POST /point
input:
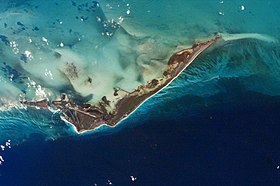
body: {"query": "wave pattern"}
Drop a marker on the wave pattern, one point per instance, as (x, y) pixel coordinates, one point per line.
(19, 124)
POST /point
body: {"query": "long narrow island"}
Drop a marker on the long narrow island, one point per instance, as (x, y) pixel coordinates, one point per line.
(86, 117)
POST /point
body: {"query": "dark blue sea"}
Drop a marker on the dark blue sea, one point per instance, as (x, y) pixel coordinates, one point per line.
(218, 123)
(233, 142)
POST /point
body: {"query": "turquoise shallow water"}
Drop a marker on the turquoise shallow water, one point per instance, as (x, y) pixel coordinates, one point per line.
(219, 117)
(135, 39)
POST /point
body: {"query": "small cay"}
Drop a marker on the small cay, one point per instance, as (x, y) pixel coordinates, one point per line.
(87, 117)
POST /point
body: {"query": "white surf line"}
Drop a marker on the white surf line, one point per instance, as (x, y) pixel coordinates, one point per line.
(175, 77)
(86, 131)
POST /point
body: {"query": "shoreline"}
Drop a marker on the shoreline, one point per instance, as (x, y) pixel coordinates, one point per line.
(173, 79)
(87, 118)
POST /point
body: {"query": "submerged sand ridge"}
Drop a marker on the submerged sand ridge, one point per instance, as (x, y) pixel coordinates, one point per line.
(86, 117)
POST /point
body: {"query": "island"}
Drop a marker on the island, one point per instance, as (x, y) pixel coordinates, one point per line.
(86, 117)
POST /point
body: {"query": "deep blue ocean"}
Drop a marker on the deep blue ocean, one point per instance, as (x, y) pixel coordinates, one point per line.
(234, 143)
(218, 123)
